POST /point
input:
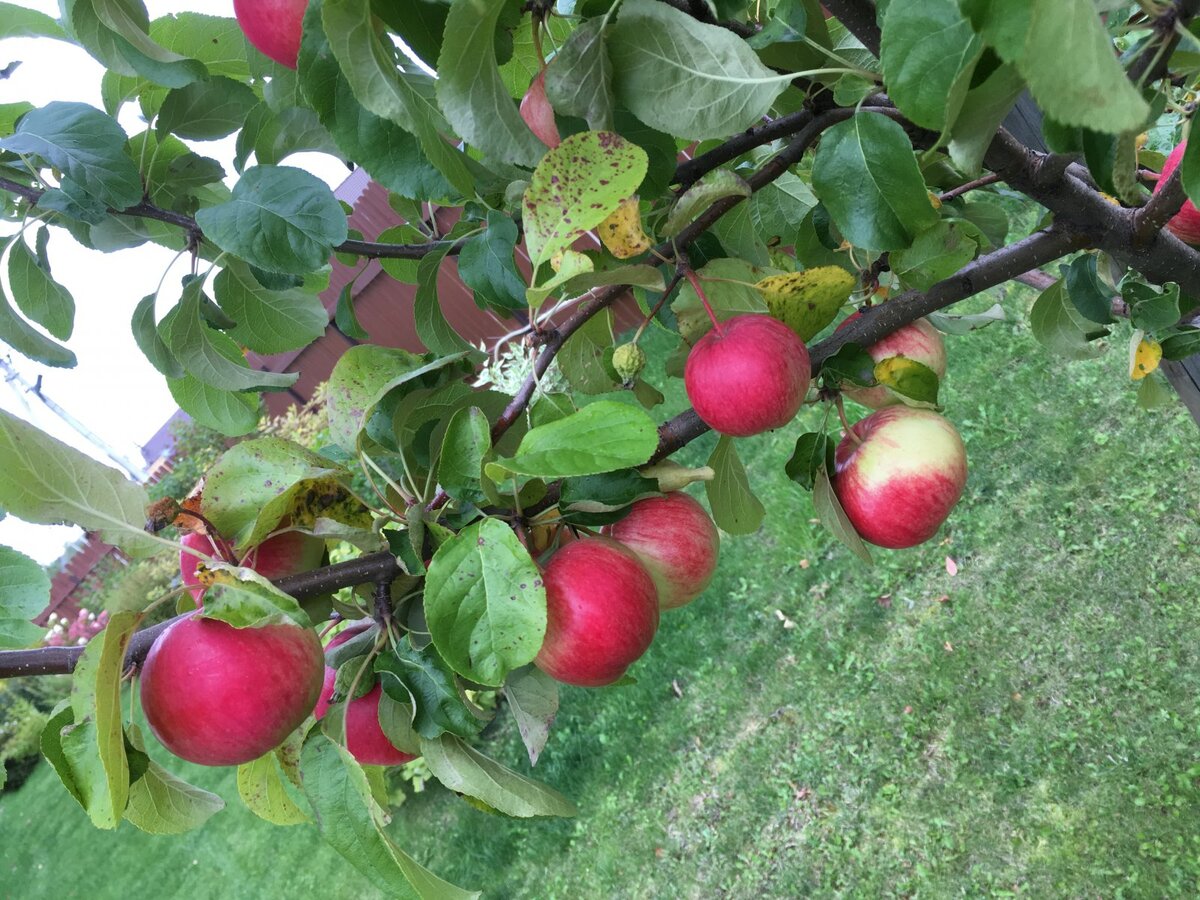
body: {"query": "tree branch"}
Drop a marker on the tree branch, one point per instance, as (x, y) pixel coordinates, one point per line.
(61, 660)
(1167, 200)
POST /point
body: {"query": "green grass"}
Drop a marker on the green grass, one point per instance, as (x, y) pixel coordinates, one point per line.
(1028, 727)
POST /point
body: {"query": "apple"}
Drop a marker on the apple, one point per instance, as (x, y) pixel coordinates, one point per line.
(538, 113)
(601, 612)
(747, 375)
(1185, 224)
(287, 553)
(898, 473)
(918, 341)
(364, 737)
(676, 541)
(274, 27)
(221, 696)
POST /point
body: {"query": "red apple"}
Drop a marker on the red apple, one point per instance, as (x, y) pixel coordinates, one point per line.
(538, 113)
(676, 541)
(221, 696)
(748, 375)
(273, 27)
(214, 547)
(918, 341)
(902, 477)
(287, 553)
(601, 612)
(364, 738)
(1186, 223)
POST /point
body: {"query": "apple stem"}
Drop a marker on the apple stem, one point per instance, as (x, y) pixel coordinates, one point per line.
(383, 602)
(670, 286)
(846, 429)
(694, 281)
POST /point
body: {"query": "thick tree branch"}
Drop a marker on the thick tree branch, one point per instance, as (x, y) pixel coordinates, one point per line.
(61, 660)
(1159, 209)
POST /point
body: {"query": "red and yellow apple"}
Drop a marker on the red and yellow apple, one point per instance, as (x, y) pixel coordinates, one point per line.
(274, 27)
(676, 541)
(221, 696)
(898, 474)
(748, 375)
(364, 737)
(918, 341)
(601, 612)
(1185, 224)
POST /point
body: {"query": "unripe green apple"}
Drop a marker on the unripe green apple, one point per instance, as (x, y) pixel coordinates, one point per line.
(898, 474)
(221, 696)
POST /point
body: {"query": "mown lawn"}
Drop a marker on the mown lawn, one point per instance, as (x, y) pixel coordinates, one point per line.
(1029, 726)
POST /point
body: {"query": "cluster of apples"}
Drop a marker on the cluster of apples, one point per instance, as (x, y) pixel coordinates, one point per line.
(897, 473)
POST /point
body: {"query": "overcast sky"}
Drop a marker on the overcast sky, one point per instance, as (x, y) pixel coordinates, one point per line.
(113, 391)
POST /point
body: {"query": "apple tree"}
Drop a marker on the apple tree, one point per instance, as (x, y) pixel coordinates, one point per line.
(795, 194)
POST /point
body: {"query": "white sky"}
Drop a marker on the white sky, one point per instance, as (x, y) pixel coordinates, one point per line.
(113, 391)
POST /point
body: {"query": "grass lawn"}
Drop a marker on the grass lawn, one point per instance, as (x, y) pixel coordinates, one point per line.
(1029, 726)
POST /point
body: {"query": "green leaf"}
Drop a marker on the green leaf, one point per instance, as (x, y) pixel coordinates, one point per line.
(205, 110)
(850, 364)
(487, 267)
(579, 77)
(813, 454)
(362, 377)
(928, 52)
(370, 68)
(983, 109)
(344, 316)
(913, 382)
(24, 592)
(230, 412)
(44, 481)
(10, 113)
(161, 803)
(1091, 298)
(127, 21)
(268, 321)
(20, 22)
(150, 342)
(948, 324)
(435, 332)
(466, 444)
(735, 509)
(395, 721)
(255, 484)
(422, 678)
(572, 266)
(471, 91)
(94, 746)
(935, 255)
(51, 746)
(1189, 170)
(352, 823)
(715, 185)
(833, 517)
(280, 219)
(86, 146)
(1057, 325)
(735, 230)
(1152, 309)
(30, 342)
(463, 769)
(1182, 344)
(199, 348)
(1155, 391)
(729, 285)
(392, 155)
(484, 602)
(602, 437)
(244, 599)
(38, 295)
(533, 698)
(577, 186)
(686, 78)
(261, 787)
(583, 356)
(866, 175)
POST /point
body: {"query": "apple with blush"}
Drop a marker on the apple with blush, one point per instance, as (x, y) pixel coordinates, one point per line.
(222, 696)
(601, 612)
(1185, 224)
(364, 737)
(286, 553)
(676, 541)
(918, 341)
(188, 561)
(273, 27)
(898, 473)
(747, 375)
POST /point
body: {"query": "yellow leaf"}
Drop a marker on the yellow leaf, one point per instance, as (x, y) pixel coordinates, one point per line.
(807, 301)
(1145, 355)
(621, 233)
